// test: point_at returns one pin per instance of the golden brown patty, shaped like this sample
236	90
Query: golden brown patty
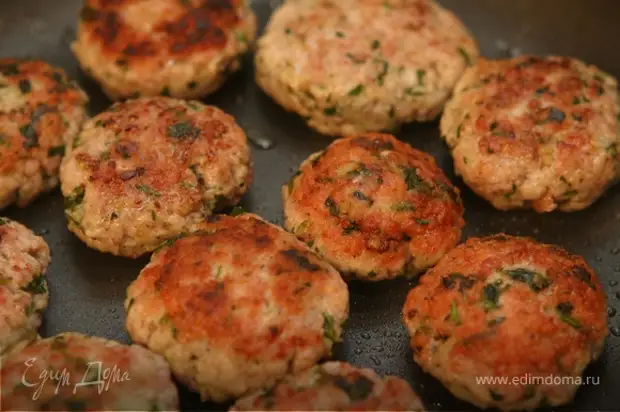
149	169
40	110
74	372
358	66
181	48
539	132
237	306
374	207
24	258
511	308
334	386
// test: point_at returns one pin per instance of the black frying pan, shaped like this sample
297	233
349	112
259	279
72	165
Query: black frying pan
88	288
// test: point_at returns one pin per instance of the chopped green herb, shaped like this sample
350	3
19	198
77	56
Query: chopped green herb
414	181
329	330
458	130
76	141
31	139
422	221
375	44
534	280
356	90
403	207
570	193
565	310
183	130
75	198
453	316
466	56
512	192
490	296
354	59
412	92
287	31
104	156
148	190
330	111
421	73
241	37
612	149
332	206
361	196
3	221
192	85
25	86
496	321
164	319
170	242
36	285
385	66
237	211
372	274
30	309
130	304
340	34
165	91
351	227
387	5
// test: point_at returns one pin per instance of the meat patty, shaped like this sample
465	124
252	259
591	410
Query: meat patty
149	169
24	258
40	110
374	207
179	48
508	308
237	306
345	67
535	132
74	372
334	386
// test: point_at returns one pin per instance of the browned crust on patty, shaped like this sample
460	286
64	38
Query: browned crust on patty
192	26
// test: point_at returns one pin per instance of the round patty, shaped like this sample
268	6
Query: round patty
374	207
24	258
149	169
40	110
73	372
237	306
334	386
179	48
344	67
535	132
509	308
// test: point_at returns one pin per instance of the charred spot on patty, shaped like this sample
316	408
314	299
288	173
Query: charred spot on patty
300	260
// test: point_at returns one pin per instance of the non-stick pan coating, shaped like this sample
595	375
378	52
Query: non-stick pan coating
88	288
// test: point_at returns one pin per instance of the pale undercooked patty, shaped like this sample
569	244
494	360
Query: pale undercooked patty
535	132
237	306
334	386
149	169
374	207
73	372
24	258
508	308
180	48
40	110
356	66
